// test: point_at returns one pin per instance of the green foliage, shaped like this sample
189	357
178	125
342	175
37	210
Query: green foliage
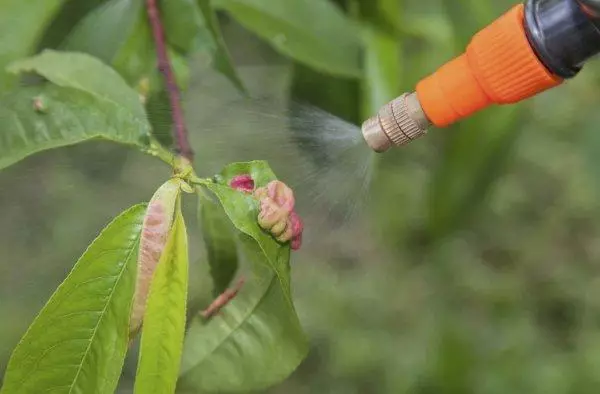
313	32
465	175
126	43
84	100
164	321
78	341
88	75
258	340
24	23
212	42
348	57
220	244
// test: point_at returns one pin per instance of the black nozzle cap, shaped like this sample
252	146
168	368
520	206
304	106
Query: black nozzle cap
563	33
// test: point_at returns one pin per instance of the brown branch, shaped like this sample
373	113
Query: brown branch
222	300
180	134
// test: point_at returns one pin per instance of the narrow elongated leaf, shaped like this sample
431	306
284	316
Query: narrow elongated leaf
47	116
21	25
155	232
382	70
257	339
220	243
211	40
118	21
78	342
181	20
473	159
164	323
314	32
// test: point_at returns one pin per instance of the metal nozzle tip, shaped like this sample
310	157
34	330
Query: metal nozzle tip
397	123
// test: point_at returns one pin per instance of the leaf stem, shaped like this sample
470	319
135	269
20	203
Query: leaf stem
180	134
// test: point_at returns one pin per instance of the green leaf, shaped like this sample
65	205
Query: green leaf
85	73
220	243
125	42
382	70
164	322
314	32
339	96
256	340
63	23
181	20
212	41
127	45
155	232
78	342
474	157
42	117
21	26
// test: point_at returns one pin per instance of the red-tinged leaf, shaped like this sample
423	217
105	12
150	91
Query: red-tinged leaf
157	225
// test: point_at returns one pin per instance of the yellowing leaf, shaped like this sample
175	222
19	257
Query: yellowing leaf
164	323
156	229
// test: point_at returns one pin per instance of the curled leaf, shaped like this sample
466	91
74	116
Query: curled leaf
277	213
243	183
155	231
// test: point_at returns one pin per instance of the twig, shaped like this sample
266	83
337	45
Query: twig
222	300
180	134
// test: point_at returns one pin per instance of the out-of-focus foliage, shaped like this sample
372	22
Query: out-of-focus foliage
473	269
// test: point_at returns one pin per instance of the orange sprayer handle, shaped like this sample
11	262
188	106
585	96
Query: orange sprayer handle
499	66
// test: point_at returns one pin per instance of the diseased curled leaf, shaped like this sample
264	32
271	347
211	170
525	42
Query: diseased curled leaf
21	26
314	32
91	101
256	340
164	323
78	342
220	243
155	232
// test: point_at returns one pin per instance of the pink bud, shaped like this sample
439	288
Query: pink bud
243	183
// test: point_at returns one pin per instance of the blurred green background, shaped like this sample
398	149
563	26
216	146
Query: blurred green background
472	266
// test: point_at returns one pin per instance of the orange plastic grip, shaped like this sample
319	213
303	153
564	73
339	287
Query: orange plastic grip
498	67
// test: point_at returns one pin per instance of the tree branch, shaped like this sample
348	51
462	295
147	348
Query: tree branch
222	300
180	134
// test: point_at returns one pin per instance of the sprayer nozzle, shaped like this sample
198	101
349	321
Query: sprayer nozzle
397	123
